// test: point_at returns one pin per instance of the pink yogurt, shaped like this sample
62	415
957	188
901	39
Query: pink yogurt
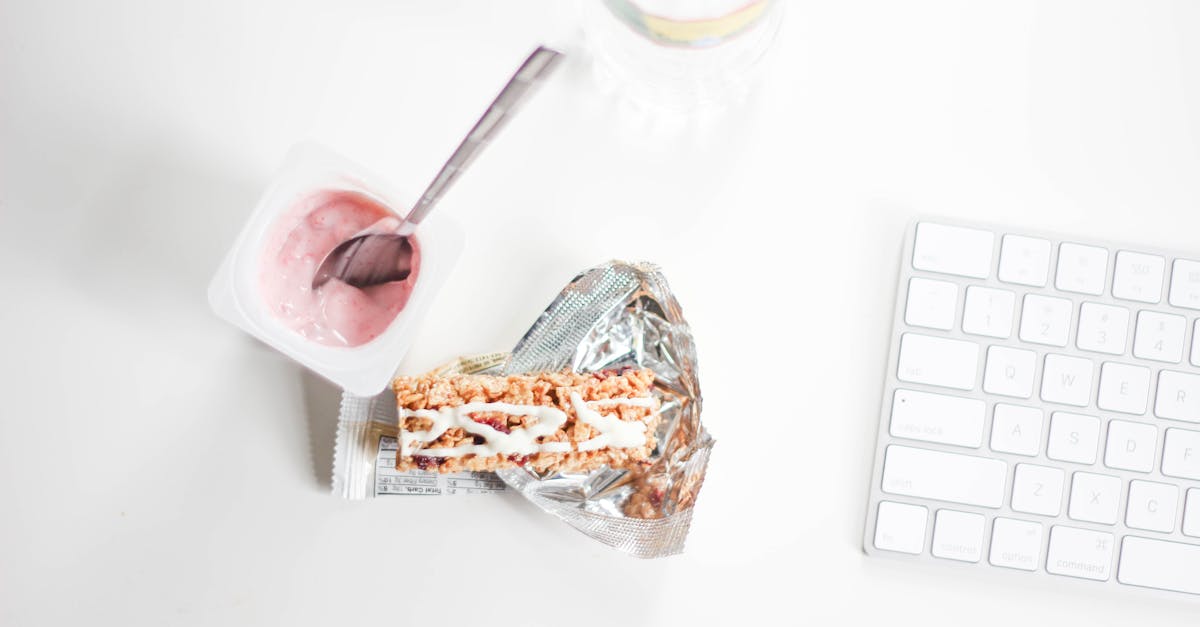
335	314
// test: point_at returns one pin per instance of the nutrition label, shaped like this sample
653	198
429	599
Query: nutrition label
389	481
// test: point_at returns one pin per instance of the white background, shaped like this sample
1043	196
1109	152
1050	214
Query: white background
159	467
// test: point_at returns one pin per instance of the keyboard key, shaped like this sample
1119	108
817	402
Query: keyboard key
1067	380
1159	564
937	418
953	250
1123	388
988	312
1102	328
1081	268
1009	371
1185	284
944	476
1138	276
931	304
1079	553
1016	429
958	535
1152	506
938	361
1130	446
1178	396
1191	513
1159	336
1073	438
1037	489
1085	359
1024	260
900	527
1094	498
1181	454
1045	320
1196	344
1016	544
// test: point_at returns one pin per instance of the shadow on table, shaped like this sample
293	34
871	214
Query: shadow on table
322	401
879	236
146	232
140	223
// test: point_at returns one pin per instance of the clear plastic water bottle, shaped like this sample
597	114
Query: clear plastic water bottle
681	55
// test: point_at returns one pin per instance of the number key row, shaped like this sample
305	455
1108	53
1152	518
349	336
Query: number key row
1047	320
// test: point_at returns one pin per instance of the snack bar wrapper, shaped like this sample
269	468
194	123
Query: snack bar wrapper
364	455
614	316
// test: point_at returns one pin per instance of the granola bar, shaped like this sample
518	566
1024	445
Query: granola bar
560	421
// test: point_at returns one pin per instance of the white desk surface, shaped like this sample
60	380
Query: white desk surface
158	467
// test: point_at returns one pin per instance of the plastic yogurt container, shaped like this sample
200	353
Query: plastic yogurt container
314	182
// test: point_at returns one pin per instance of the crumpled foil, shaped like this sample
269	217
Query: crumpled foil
616	315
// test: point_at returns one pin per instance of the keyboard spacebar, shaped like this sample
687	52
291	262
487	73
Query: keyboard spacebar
944	476
1160	564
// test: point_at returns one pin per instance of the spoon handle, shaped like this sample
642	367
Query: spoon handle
536	67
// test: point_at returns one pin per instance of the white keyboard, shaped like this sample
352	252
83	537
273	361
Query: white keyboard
1041	409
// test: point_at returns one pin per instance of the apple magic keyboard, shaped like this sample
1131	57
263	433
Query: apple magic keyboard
1041	409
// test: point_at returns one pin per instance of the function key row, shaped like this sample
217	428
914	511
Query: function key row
1080	268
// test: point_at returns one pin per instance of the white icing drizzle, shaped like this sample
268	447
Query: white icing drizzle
613	431
613	402
523	441
519	441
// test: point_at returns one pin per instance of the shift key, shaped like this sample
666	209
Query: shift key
942	476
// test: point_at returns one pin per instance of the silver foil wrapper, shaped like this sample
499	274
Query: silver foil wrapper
617	315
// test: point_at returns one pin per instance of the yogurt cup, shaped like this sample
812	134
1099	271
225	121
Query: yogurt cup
236	293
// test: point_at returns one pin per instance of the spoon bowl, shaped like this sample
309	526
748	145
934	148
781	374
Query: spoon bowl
373	258
366	260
